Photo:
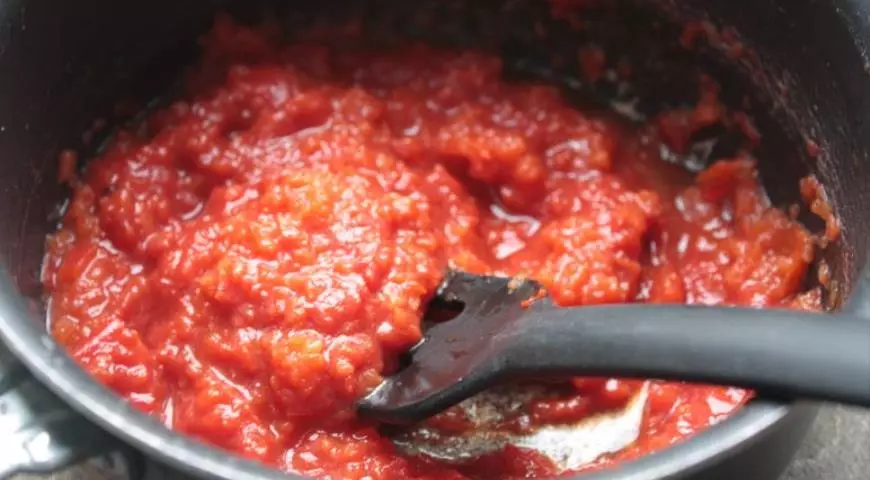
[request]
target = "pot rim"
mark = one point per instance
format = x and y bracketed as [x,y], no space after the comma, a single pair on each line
[50,364]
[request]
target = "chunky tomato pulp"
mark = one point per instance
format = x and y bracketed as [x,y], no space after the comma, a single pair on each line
[251,259]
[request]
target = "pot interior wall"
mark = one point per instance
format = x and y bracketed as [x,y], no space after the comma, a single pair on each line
[74,61]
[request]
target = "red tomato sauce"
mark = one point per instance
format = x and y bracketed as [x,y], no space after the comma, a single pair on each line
[252,258]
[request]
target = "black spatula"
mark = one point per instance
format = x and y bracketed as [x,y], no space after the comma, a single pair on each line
[508,331]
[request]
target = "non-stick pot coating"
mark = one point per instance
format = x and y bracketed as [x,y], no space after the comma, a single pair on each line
[67,64]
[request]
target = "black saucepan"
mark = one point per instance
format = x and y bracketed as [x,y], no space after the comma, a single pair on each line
[65,64]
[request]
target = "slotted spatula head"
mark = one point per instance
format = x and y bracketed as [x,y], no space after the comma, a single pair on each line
[462,356]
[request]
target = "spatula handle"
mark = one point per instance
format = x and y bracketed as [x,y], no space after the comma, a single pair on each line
[778,352]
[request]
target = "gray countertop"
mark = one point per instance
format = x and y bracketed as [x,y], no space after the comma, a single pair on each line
[837,448]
